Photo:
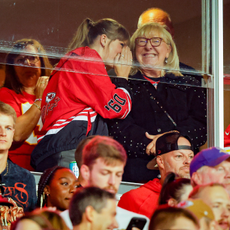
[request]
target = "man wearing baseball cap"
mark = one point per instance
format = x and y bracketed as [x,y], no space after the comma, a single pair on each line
[216,196]
[173,154]
[202,211]
[211,165]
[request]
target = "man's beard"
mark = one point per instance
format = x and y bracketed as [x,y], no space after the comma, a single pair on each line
[107,188]
[182,174]
[187,176]
[111,187]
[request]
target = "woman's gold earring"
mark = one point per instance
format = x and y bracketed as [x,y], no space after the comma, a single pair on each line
[42,199]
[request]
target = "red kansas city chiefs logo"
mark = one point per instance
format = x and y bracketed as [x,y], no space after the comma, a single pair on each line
[50,97]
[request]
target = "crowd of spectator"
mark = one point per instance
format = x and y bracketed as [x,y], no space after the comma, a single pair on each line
[142,121]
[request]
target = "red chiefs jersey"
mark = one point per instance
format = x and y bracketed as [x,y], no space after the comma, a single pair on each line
[79,89]
[21,103]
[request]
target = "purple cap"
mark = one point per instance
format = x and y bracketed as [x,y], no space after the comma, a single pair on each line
[208,157]
[167,143]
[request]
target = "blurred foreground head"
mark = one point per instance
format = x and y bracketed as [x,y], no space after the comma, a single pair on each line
[40,219]
[166,217]
[174,190]
[93,208]
[216,196]
[202,211]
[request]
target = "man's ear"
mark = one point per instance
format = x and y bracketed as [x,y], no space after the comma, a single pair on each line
[103,40]
[172,202]
[89,213]
[85,172]
[196,179]
[160,162]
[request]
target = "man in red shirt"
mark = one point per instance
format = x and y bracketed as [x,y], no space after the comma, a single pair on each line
[173,154]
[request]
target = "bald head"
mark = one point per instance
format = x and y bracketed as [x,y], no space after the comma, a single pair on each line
[156,15]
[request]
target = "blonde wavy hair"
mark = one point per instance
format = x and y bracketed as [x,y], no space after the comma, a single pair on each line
[172,66]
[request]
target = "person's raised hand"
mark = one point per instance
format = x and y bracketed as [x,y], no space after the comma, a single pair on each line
[123,63]
[151,147]
[41,85]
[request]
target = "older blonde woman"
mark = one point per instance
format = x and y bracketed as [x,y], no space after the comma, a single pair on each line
[163,100]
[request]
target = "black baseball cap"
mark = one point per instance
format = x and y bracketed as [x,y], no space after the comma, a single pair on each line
[167,143]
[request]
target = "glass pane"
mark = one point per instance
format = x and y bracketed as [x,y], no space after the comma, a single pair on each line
[54,22]
[226,22]
[226,72]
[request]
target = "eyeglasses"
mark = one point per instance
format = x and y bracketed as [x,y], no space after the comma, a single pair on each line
[30,59]
[155,41]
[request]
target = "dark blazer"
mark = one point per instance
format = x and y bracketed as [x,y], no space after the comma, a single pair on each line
[178,103]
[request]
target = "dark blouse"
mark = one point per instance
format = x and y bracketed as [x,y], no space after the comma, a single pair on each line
[178,103]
